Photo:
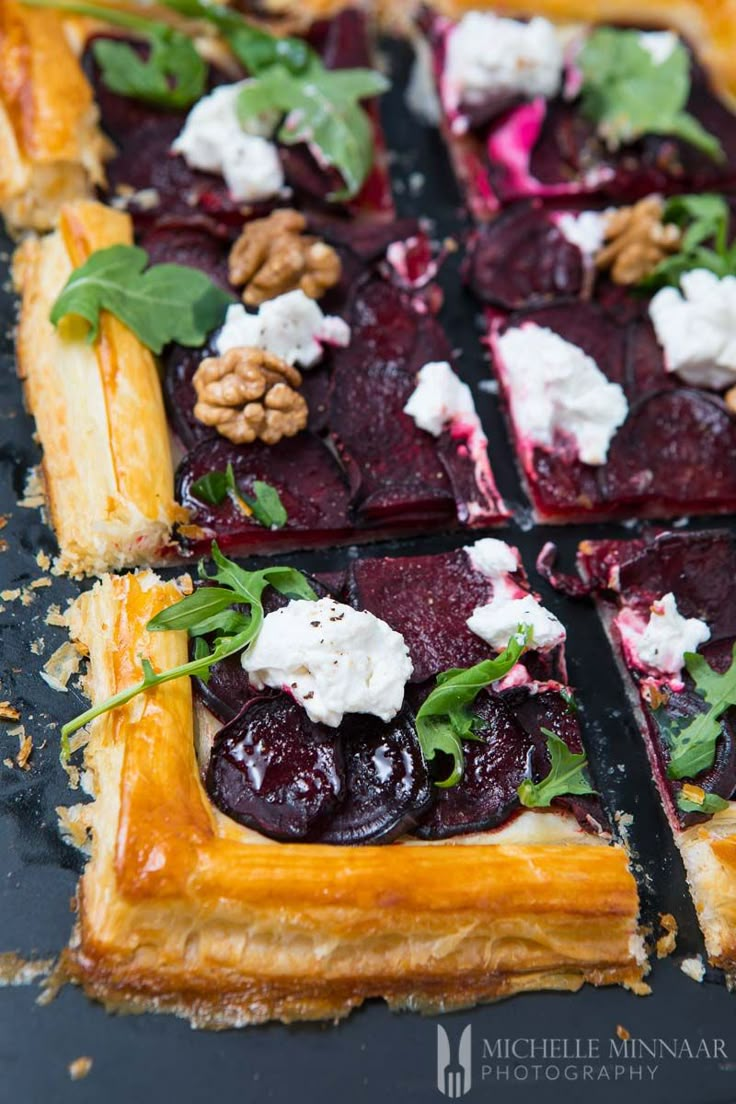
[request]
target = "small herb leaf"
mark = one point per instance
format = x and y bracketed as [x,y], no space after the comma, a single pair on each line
[264,506]
[628,94]
[211,488]
[711,803]
[173,74]
[693,747]
[703,218]
[444,719]
[168,302]
[267,507]
[322,108]
[566,775]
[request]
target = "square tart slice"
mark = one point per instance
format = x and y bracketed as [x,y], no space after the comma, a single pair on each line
[537,143]
[657,598]
[182,909]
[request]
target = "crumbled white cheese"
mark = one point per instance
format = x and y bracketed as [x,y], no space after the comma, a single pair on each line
[660,45]
[214,140]
[292,326]
[660,645]
[499,621]
[492,557]
[586,230]
[510,606]
[332,659]
[490,56]
[696,327]
[553,386]
[440,398]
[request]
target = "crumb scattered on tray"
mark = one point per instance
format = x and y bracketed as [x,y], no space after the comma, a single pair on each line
[60,666]
[38,645]
[54,616]
[668,940]
[44,581]
[10,595]
[693,967]
[8,712]
[25,746]
[33,495]
[79,1068]
[15,970]
[43,561]
[622,1032]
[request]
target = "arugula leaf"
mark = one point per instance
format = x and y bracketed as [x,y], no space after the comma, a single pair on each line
[566,776]
[255,48]
[204,611]
[627,94]
[265,506]
[711,803]
[703,218]
[444,720]
[173,75]
[168,302]
[322,108]
[693,747]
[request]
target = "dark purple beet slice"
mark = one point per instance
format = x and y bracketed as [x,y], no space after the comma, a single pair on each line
[204,246]
[677,448]
[495,766]
[229,688]
[272,769]
[386,782]
[402,474]
[314,489]
[428,600]
[521,258]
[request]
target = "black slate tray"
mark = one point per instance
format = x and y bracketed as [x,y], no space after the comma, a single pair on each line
[374,1055]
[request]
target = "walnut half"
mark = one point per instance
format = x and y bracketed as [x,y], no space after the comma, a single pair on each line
[636,241]
[250,394]
[273,256]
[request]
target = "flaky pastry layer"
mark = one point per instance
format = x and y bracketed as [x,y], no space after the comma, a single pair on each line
[99,409]
[51,147]
[180,908]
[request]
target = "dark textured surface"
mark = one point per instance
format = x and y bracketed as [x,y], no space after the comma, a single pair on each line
[374,1056]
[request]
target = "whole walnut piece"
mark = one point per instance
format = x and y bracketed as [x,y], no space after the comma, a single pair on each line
[636,241]
[250,394]
[273,256]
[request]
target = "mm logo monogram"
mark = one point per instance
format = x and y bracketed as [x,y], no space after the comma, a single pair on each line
[454,1078]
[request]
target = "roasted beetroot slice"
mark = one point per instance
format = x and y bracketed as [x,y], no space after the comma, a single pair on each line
[272,769]
[521,259]
[428,600]
[675,452]
[495,767]
[313,488]
[403,477]
[387,787]
[204,246]
[229,688]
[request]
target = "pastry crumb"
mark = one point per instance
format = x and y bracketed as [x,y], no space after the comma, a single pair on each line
[668,940]
[60,666]
[44,581]
[33,495]
[10,595]
[25,748]
[693,967]
[43,561]
[54,616]
[79,1068]
[15,970]
[8,712]
[622,1032]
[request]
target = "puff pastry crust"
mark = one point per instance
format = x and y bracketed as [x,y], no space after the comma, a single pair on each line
[182,909]
[51,148]
[99,409]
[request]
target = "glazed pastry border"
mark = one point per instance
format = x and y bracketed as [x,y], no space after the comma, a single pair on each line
[99,410]
[708,850]
[182,909]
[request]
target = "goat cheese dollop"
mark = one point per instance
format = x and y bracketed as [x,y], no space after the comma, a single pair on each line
[660,45]
[660,643]
[292,326]
[440,398]
[214,140]
[490,56]
[696,327]
[332,659]
[555,387]
[510,606]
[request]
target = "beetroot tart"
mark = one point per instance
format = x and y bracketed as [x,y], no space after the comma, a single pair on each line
[369,782]
[535,109]
[668,604]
